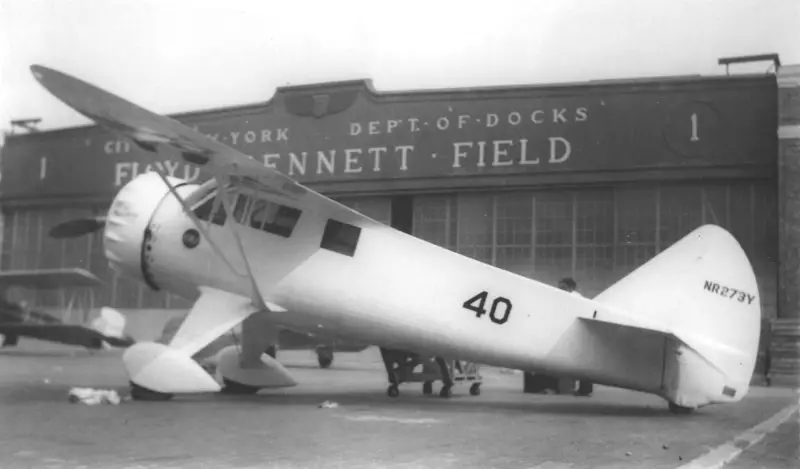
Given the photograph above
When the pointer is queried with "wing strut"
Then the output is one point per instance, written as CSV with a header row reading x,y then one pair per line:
x,y
222,197
198,224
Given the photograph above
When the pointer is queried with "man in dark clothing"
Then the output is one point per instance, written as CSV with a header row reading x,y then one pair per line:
x,y
585,388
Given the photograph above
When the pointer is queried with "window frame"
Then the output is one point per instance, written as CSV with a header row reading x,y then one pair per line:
x,y
331,239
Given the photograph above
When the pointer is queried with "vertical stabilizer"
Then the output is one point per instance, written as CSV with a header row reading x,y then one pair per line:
x,y
702,290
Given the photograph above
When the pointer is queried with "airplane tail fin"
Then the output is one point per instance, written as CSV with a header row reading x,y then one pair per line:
x,y
110,323
701,293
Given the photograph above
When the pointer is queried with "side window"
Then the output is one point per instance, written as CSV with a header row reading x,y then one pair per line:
x,y
203,212
274,218
220,215
340,237
240,208
260,214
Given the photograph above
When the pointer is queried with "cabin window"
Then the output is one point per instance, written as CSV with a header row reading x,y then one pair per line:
x,y
203,211
274,218
240,208
340,237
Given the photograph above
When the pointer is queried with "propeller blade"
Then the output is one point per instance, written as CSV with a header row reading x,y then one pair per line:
x,y
77,227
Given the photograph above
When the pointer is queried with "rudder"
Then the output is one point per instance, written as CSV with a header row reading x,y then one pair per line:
x,y
703,291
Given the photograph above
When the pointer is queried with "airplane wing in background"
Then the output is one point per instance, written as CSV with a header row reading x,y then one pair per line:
x,y
48,279
69,334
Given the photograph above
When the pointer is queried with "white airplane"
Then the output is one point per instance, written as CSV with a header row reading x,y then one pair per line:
x,y
263,250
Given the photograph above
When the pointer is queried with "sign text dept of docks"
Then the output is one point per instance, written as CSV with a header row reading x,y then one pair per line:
x,y
389,147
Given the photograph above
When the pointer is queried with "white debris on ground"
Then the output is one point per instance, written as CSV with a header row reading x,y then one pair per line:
x,y
328,405
91,396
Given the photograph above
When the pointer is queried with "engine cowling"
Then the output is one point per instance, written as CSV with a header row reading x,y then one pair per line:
x,y
129,217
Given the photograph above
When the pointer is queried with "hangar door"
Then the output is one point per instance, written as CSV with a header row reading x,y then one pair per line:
x,y
378,208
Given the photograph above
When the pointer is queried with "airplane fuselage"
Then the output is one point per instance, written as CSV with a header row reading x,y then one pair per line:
x,y
396,291
684,325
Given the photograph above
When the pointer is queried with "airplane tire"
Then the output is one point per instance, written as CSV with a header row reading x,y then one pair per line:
x,y
393,391
447,391
427,388
324,357
679,410
232,387
475,389
138,393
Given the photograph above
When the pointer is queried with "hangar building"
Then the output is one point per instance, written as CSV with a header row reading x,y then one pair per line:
x,y
588,180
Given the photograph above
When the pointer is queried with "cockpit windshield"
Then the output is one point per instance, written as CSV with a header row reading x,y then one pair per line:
x,y
248,210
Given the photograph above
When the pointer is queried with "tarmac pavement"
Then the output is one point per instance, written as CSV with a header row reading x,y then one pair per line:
x,y
501,428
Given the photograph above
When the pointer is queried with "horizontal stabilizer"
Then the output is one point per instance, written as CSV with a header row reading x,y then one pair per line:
x,y
606,329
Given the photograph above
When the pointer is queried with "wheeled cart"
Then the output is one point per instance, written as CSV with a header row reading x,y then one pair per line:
x,y
402,367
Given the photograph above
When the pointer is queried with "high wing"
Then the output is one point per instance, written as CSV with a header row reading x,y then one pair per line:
x,y
148,129
229,167
48,279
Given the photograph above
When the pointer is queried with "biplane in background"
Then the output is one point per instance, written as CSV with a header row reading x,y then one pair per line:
x,y
17,319
266,252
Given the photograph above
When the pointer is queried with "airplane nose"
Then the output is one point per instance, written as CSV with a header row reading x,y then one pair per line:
x,y
128,220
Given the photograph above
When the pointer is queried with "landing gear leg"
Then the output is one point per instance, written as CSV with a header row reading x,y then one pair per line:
x,y
398,364
447,378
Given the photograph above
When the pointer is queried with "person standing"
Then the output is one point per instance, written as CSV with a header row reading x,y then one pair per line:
x,y
585,388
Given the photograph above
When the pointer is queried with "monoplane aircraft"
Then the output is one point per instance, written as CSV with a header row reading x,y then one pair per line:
x,y
265,252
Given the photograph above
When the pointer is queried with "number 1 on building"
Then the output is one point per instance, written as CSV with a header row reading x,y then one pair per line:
x,y
694,128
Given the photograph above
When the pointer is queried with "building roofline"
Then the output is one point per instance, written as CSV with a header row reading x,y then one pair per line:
x,y
633,84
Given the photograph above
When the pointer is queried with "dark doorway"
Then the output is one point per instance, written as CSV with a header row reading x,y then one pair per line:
x,y
403,213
